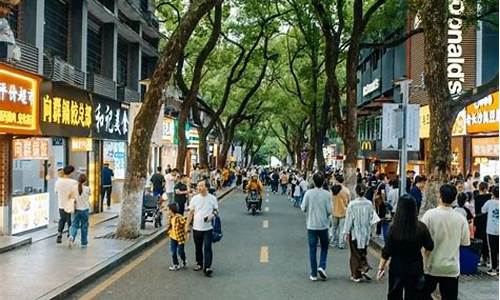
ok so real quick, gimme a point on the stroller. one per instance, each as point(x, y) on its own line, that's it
point(151, 210)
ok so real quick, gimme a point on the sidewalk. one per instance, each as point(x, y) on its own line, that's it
point(46, 270)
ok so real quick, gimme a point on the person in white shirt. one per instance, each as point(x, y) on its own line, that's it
point(64, 188)
point(449, 230)
point(491, 209)
point(393, 196)
point(203, 207)
point(169, 185)
point(82, 208)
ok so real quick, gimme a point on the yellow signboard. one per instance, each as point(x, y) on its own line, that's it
point(81, 144)
point(425, 120)
point(484, 115)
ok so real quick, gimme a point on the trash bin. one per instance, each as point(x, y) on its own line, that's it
point(470, 256)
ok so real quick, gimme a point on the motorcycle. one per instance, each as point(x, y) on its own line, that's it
point(253, 202)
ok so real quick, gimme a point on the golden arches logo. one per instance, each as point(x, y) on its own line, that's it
point(366, 145)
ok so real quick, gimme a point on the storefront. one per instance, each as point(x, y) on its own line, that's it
point(24, 203)
point(109, 134)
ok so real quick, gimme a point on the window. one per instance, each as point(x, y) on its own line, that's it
point(12, 18)
point(375, 58)
point(122, 62)
point(378, 128)
point(94, 46)
point(56, 28)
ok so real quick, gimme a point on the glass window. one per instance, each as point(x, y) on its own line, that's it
point(56, 28)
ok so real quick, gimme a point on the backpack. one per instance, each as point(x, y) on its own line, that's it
point(217, 231)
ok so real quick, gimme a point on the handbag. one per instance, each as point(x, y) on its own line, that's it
point(375, 218)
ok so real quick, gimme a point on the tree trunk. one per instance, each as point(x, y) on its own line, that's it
point(298, 158)
point(203, 148)
point(435, 24)
point(181, 139)
point(222, 158)
point(145, 121)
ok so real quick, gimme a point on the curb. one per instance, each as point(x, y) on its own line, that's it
point(65, 290)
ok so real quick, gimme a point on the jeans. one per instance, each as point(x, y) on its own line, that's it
point(448, 287)
point(64, 218)
point(176, 248)
point(81, 220)
point(274, 187)
point(338, 232)
point(313, 236)
point(296, 203)
point(106, 191)
point(493, 247)
point(283, 189)
point(203, 248)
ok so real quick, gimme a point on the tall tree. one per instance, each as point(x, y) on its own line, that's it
point(145, 121)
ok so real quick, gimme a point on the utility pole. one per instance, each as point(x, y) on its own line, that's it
point(403, 154)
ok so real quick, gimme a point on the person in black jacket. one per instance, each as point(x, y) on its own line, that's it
point(480, 199)
point(407, 236)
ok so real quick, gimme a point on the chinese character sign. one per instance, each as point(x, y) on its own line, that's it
point(65, 110)
point(484, 115)
point(18, 101)
point(32, 148)
point(111, 119)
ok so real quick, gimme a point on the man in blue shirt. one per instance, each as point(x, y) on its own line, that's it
point(106, 185)
point(416, 190)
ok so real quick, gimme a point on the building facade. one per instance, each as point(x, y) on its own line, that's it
point(81, 66)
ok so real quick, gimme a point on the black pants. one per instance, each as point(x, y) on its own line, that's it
point(64, 218)
point(203, 248)
point(411, 286)
point(181, 205)
point(448, 287)
point(493, 247)
point(106, 191)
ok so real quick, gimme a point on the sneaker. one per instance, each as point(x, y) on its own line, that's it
point(197, 268)
point(356, 279)
point(84, 246)
point(322, 274)
point(173, 268)
point(492, 272)
point(71, 242)
point(366, 276)
point(59, 239)
point(184, 264)
point(313, 278)
point(208, 272)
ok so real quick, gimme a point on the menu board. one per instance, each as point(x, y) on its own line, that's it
point(30, 212)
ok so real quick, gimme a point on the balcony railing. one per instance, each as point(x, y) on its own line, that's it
point(58, 70)
point(101, 85)
point(29, 57)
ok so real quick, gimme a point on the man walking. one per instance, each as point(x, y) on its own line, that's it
point(181, 193)
point(65, 187)
point(449, 230)
point(318, 206)
point(158, 182)
point(341, 198)
point(170, 184)
point(106, 185)
point(202, 209)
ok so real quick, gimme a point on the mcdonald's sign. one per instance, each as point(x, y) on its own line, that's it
point(366, 145)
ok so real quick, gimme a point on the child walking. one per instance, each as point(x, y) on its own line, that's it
point(177, 234)
point(82, 208)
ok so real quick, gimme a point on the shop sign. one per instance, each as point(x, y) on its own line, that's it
point(65, 111)
point(371, 87)
point(29, 212)
point(111, 119)
point(168, 130)
point(425, 118)
point(367, 145)
point(32, 148)
point(484, 115)
point(19, 101)
point(485, 147)
point(192, 137)
point(81, 144)
point(456, 76)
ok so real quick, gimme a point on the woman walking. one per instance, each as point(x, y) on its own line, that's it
point(407, 236)
point(357, 233)
point(82, 207)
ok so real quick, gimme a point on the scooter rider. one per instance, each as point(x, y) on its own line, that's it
point(255, 185)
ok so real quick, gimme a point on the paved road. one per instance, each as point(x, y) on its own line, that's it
point(240, 267)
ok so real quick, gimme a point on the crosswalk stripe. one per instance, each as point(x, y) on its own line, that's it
point(264, 255)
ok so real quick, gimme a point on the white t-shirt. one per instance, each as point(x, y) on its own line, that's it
point(65, 189)
point(169, 183)
point(491, 208)
point(82, 200)
point(449, 230)
point(202, 207)
point(303, 185)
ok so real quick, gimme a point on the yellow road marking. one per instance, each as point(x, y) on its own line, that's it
point(265, 224)
point(267, 208)
point(264, 255)
point(115, 277)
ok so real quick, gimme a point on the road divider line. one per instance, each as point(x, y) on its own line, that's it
point(264, 255)
point(101, 287)
point(265, 224)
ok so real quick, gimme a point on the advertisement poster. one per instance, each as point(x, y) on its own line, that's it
point(115, 156)
point(30, 212)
